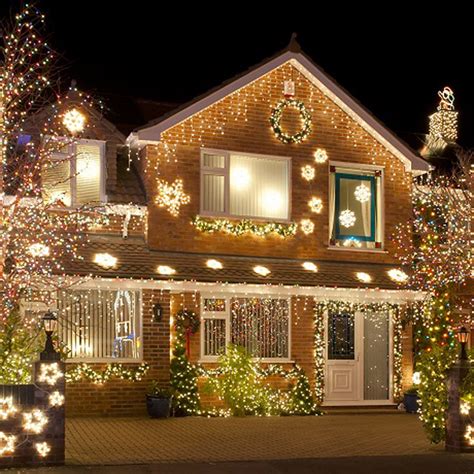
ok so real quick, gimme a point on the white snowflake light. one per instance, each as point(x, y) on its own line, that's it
point(362, 193)
point(74, 121)
point(307, 226)
point(315, 204)
point(7, 408)
point(171, 196)
point(469, 435)
point(7, 443)
point(397, 275)
point(347, 218)
point(56, 399)
point(38, 250)
point(50, 373)
point(320, 156)
point(465, 408)
point(34, 421)
point(308, 172)
point(43, 449)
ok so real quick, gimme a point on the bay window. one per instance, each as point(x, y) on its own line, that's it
point(259, 324)
point(355, 207)
point(75, 174)
point(243, 185)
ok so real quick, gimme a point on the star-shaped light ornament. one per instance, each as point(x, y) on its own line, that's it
point(171, 196)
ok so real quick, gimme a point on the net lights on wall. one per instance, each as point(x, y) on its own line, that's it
point(105, 260)
point(74, 121)
point(397, 275)
point(261, 270)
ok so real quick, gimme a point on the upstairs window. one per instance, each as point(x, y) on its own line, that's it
point(246, 186)
point(75, 175)
point(355, 207)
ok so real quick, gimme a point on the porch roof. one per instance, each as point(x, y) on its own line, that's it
point(136, 261)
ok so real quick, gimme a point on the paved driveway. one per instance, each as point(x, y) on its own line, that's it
point(146, 441)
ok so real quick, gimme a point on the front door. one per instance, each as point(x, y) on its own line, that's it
point(357, 358)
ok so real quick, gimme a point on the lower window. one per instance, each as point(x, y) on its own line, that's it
point(260, 325)
point(100, 324)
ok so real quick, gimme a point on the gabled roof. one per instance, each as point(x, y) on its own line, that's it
point(293, 54)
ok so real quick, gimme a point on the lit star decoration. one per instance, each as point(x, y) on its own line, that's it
point(347, 218)
point(171, 196)
point(7, 408)
point(43, 448)
point(34, 421)
point(316, 205)
point(320, 156)
point(362, 193)
point(469, 435)
point(465, 407)
point(307, 226)
point(50, 373)
point(56, 399)
point(7, 443)
point(74, 121)
point(308, 172)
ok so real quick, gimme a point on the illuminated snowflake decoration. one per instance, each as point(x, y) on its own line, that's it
point(74, 121)
point(171, 196)
point(469, 435)
point(7, 408)
point(50, 373)
point(38, 250)
point(7, 443)
point(320, 156)
point(34, 421)
point(307, 226)
point(56, 399)
point(347, 218)
point(397, 275)
point(43, 449)
point(362, 193)
point(465, 408)
point(316, 205)
point(308, 172)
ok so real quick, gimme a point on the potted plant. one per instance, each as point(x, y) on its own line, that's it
point(158, 401)
point(410, 400)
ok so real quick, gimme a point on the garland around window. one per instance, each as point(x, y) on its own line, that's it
point(275, 120)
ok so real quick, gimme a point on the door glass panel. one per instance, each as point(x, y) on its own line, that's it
point(376, 356)
point(341, 336)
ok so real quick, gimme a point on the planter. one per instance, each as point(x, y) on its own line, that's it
point(158, 407)
point(21, 394)
point(410, 400)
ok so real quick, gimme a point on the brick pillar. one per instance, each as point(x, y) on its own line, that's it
point(456, 422)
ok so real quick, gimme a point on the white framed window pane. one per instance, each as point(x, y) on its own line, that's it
point(213, 197)
point(213, 161)
point(259, 187)
point(261, 326)
point(214, 305)
point(56, 181)
point(88, 173)
point(96, 324)
point(214, 336)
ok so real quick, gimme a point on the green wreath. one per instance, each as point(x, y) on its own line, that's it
point(187, 320)
point(275, 120)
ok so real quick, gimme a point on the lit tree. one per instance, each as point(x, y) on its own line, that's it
point(37, 232)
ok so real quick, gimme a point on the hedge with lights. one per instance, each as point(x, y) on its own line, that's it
point(275, 120)
point(86, 372)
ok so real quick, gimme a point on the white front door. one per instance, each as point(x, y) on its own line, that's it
point(357, 358)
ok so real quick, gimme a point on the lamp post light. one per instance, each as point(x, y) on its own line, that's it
point(50, 322)
point(463, 336)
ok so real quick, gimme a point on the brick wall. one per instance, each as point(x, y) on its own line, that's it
point(333, 130)
point(118, 397)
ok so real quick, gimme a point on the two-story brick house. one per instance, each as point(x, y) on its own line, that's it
point(271, 195)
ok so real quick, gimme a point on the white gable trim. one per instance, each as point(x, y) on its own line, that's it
point(342, 99)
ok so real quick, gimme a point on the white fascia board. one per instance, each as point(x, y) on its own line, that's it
point(315, 75)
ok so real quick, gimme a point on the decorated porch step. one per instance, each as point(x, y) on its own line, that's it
point(363, 410)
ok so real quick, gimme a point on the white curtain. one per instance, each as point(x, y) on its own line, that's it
point(213, 197)
point(365, 208)
point(378, 200)
point(332, 203)
point(259, 187)
point(88, 173)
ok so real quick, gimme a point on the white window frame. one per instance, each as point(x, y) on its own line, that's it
point(71, 156)
point(227, 316)
point(116, 360)
point(362, 167)
point(226, 173)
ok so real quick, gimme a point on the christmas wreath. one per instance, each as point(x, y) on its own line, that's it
point(275, 120)
point(187, 321)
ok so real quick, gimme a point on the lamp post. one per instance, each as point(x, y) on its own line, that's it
point(463, 336)
point(50, 322)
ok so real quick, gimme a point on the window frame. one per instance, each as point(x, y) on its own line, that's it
point(225, 171)
point(72, 153)
point(116, 360)
point(352, 168)
point(228, 329)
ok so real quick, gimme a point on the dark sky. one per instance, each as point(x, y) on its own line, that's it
point(393, 58)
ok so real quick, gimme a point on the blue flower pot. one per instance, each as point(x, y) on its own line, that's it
point(158, 407)
point(410, 400)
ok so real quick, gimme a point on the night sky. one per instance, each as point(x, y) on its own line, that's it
point(393, 59)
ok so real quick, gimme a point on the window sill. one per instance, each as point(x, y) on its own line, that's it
point(352, 249)
point(104, 361)
point(262, 361)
